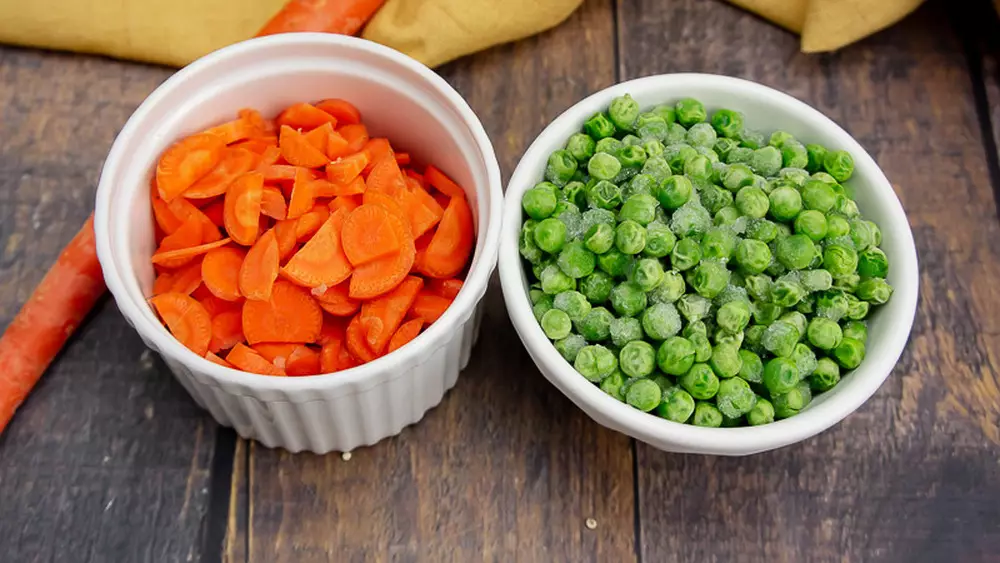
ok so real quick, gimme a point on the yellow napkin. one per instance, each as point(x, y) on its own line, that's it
point(175, 32)
point(827, 25)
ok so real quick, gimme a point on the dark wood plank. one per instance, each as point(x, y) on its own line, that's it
point(913, 475)
point(108, 459)
point(505, 468)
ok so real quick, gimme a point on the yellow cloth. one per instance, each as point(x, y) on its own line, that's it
point(175, 32)
point(826, 25)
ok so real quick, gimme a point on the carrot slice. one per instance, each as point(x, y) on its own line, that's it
point(242, 212)
point(260, 146)
point(186, 236)
point(245, 358)
point(185, 210)
point(217, 360)
point(337, 146)
point(347, 168)
point(291, 315)
point(216, 306)
point(380, 199)
point(443, 183)
point(220, 271)
point(227, 330)
point(275, 352)
point(304, 116)
point(381, 317)
point(179, 257)
point(376, 148)
point(329, 356)
point(333, 329)
point(355, 341)
point(232, 131)
point(379, 276)
point(309, 223)
point(320, 137)
point(280, 173)
point(303, 361)
point(336, 300)
point(260, 268)
point(187, 320)
point(284, 231)
point(234, 163)
point(260, 125)
point(298, 151)
point(344, 111)
point(164, 217)
point(303, 198)
point(422, 216)
point(449, 249)
point(272, 203)
point(429, 307)
point(185, 162)
point(368, 233)
point(385, 176)
point(356, 135)
point(216, 213)
point(184, 280)
point(447, 288)
point(321, 261)
point(402, 158)
point(405, 333)
point(325, 188)
point(350, 203)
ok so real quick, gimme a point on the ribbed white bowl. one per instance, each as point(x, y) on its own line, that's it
point(399, 98)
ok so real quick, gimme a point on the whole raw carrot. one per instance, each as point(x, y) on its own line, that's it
point(345, 17)
point(67, 293)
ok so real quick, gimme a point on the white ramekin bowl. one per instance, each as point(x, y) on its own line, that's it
point(765, 109)
point(399, 98)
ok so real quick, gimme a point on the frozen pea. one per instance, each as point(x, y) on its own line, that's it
point(816, 155)
point(631, 157)
point(702, 346)
point(752, 139)
point(714, 198)
point(599, 238)
point(856, 330)
point(690, 219)
point(690, 111)
point(735, 398)
point(581, 146)
point(575, 260)
point(701, 134)
point(812, 224)
point(805, 360)
point(556, 324)
point(729, 216)
point(763, 230)
point(595, 362)
point(539, 202)
point(526, 243)
point(856, 308)
point(694, 307)
point(597, 287)
point(825, 376)
point(839, 164)
point(780, 338)
point(661, 321)
point(758, 287)
point(798, 320)
point(596, 325)
point(718, 242)
point(625, 330)
point(550, 235)
point(780, 375)
point(660, 240)
point(686, 254)
point(761, 413)
point(574, 303)
point(832, 305)
point(740, 155)
point(700, 381)
point(794, 154)
point(603, 166)
point(698, 167)
point(873, 263)
point(707, 415)
point(651, 126)
point(674, 191)
point(752, 202)
point(751, 338)
point(599, 126)
point(751, 368)
point(791, 402)
point(766, 161)
point(728, 123)
point(723, 337)
point(874, 290)
point(638, 359)
point(795, 252)
point(752, 256)
point(816, 280)
point(603, 194)
point(560, 167)
point(765, 313)
point(675, 355)
point(823, 333)
point(818, 196)
point(570, 346)
point(623, 112)
point(647, 274)
point(541, 306)
point(630, 237)
point(840, 260)
point(709, 278)
point(614, 385)
point(615, 263)
point(733, 317)
point(723, 147)
point(554, 280)
point(785, 203)
point(640, 208)
point(849, 353)
point(737, 176)
point(677, 405)
point(653, 147)
point(657, 167)
point(786, 291)
point(628, 299)
point(670, 289)
point(643, 394)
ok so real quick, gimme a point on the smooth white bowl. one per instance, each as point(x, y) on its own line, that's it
point(399, 98)
point(765, 109)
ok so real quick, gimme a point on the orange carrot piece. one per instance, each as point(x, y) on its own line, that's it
point(416, 177)
point(217, 360)
point(356, 135)
point(309, 223)
point(215, 212)
point(355, 341)
point(334, 328)
point(402, 158)
point(298, 151)
point(186, 236)
point(376, 148)
point(304, 116)
point(185, 210)
point(320, 136)
point(185, 162)
point(345, 112)
point(216, 306)
point(272, 203)
point(245, 358)
point(260, 146)
point(329, 356)
point(447, 288)
point(275, 352)
point(291, 315)
point(303, 198)
point(179, 257)
point(322, 260)
point(260, 268)
point(227, 330)
point(326, 188)
point(347, 168)
point(184, 280)
point(284, 232)
point(448, 252)
point(368, 234)
point(303, 361)
point(232, 131)
point(234, 163)
point(336, 300)
point(380, 199)
point(379, 276)
point(421, 215)
point(337, 146)
point(187, 320)
point(242, 212)
point(429, 307)
point(420, 193)
point(260, 125)
point(405, 333)
point(164, 217)
point(385, 177)
point(350, 203)
point(343, 17)
point(381, 317)
point(280, 173)
point(220, 271)
point(442, 183)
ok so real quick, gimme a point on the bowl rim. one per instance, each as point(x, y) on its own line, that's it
point(653, 429)
point(396, 363)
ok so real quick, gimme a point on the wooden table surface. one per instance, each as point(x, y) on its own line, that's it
point(109, 460)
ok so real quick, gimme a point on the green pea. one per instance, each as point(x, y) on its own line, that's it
point(670, 289)
point(856, 330)
point(805, 360)
point(737, 176)
point(733, 317)
point(707, 415)
point(677, 155)
point(643, 394)
point(812, 224)
point(839, 164)
point(541, 306)
point(550, 235)
point(609, 145)
point(794, 175)
point(623, 112)
point(780, 338)
point(628, 299)
point(709, 153)
point(761, 413)
point(665, 112)
point(752, 139)
point(849, 353)
point(818, 196)
point(573, 303)
point(596, 287)
point(791, 402)
point(632, 157)
point(786, 291)
point(647, 274)
point(766, 161)
point(556, 324)
point(740, 155)
point(723, 146)
point(709, 278)
point(539, 203)
point(846, 207)
point(751, 339)
point(638, 359)
point(765, 313)
point(816, 280)
point(794, 154)
point(560, 167)
point(874, 290)
point(726, 361)
point(686, 254)
point(640, 208)
point(575, 260)
point(715, 198)
point(758, 287)
point(795, 252)
point(660, 240)
point(873, 263)
point(674, 192)
point(752, 256)
point(595, 362)
point(526, 243)
point(840, 260)
point(651, 126)
point(630, 237)
point(832, 305)
point(700, 381)
point(807, 305)
point(661, 321)
point(614, 385)
point(824, 333)
point(701, 134)
point(702, 347)
point(570, 346)
point(581, 146)
point(603, 166)
point(675, 355)
point(735, 398)
point(816, 156)
point(690, 111)
point(856, 308)
point(826, 375)
point(780, 375)
point(599, 238)
point(785, 203)
point(763, 230)
point(554, 280)
point(615, 263)
point(599, 127)
point(625, 330)
point(752, 202)
point(751, 367)
point(596, 325)
point(640, 184)
point(694, 307)
point(575, 193)
point(728, 123)
point(677, 405)
point(698, 167)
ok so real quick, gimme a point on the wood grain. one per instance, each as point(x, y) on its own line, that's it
point(108, 459)
point(505, 468)
point(908, 477)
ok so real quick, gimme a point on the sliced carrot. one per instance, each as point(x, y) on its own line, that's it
point(261, 146)
point(322, 260)
point(376, 149)
point(442, 183)
point(234, 163)
point(350, 203)
point(334, 328)
point(179, 257)
point(311, 222)
point(227, 330)
point(402, 158)
point(325, 188)
point(356, 135)
point(385, 177)
point(381, 317)
point(216, 306)
point(254, 118)
point(337, 146)
point(232, 131)
point(329, 356)
point(304, 116)
point(164, 217)
point(320, 137)
point(291, 315)
point(380, 199)
point(449, 250)
point(447, 288)
point(422, 216)
point(303, 361)
point(379, 276)
point(441, 199)
point(336, 300)
point(245, 358)
point(187, 320)
point(280, 173)
point(215, 212)
point(260, 268)
point(186, 236)
point(303, 198)
point(272, 203)
point(355, 341)
point(347, 168)
point(405, 333)
point(416, 177)
point(344, 111)
point(369, 233)
point(275, 352)
point(298, 151)
point(284, 231)
point(186, 161)
point(217, 360)
point(220, 271)
point(183, 280)
point(420, 193)
point(242, 212)
point(185, 210)
point(429, 307)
